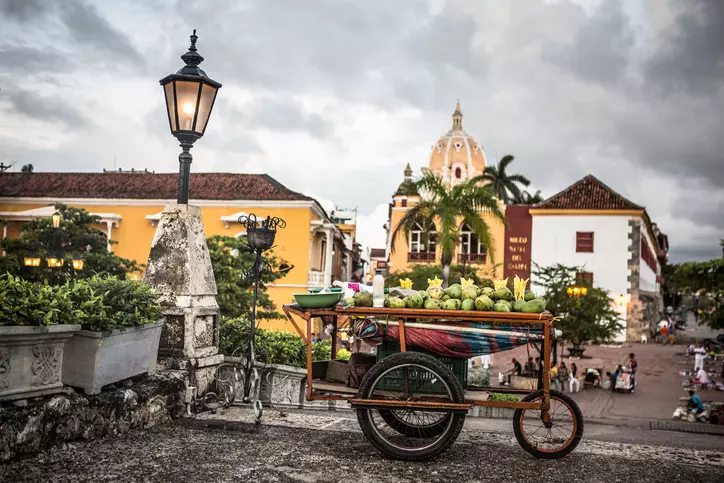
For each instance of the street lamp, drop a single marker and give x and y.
(190, 96)
(78, 263)
(32, 260)
(574, 291)
(55, 219)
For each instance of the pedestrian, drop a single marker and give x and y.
(701, 377)
(614, 376)
(517, 369)
(553, 375)
(695, 402)
(574, 381)
(633, 366)
(699, 356)
(529, 369)
(562, 376)
(538, 366)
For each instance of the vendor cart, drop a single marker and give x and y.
(411, 405)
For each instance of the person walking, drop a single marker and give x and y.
(633, 366)
(562, 376)
(574, 380)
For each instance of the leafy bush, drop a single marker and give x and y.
(343, 355)
(496, 396)
(107, 303)
(99, 303)
(479, 377)
(271, 347)
(32, 303)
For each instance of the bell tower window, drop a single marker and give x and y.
(458, 173)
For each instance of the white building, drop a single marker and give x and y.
(590, 225)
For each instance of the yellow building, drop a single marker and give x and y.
(455, 157)
(129, 205)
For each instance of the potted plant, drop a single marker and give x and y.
(120, 332)
(35, 323)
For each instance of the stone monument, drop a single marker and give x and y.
(179, 267)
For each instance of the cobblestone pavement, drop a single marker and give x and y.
(284, 449)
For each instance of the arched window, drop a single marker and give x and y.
(471, 248)
(419, 250)
(458, 173)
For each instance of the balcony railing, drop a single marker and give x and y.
(472, 257)
(420, 256)
(316, 279)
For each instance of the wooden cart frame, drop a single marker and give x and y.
(474, 396)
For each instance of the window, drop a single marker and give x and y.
(404, 203)
(458, 173)
(471, 248)
(417, 244)
(322, 255)
(584, 241)
(584, 279)
(647, 255)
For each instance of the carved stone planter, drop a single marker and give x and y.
(93, 360)
(31, 360)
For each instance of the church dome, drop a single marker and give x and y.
(407, 187)
(457, 156)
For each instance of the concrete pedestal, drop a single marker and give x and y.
(179, 267)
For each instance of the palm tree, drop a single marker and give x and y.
(504, 185)
(529, 199)
(442, 207)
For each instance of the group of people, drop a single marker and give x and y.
(561, 375)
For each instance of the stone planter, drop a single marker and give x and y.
(93, 360)
(31, 360)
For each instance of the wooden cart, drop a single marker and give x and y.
(411, 406)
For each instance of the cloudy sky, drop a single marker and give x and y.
(333, 97)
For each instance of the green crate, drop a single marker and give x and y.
(417, 382)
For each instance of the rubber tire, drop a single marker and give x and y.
(447, 437)
(405, 429)
(542, 454)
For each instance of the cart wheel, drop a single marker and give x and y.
(559, 436)
(411, 434)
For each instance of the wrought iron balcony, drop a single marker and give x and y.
(420, 256)
(472, 257)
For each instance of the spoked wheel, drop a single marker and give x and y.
(411, 434)
(552, 438)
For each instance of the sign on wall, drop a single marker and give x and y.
(518, 234)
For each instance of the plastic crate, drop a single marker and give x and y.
(418, 381)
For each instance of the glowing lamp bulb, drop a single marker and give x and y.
(188, 108)
(576, 290)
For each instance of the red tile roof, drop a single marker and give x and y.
(141, 185)
(588, 193)
(378, 253)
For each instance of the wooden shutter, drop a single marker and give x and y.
(584, 241)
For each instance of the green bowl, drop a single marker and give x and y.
(317, 300)
(332, 289)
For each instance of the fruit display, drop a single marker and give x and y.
(460, 296)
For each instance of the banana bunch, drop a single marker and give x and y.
(436, 282)
(519, 288)
(500, 283)
(465, 283)
(406, 283)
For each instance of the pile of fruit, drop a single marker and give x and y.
(462, 296)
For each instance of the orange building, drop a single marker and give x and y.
(129, 205)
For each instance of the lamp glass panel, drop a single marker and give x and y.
(208, 94)
(170, 105)
(187, 94)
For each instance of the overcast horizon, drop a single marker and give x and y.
(333, 98)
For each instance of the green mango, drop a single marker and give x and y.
(432, 304)
(471, 292)
(501, 307)
(488, 291)
(467, 304)
(349, 301)
(534, 306)
(529, 295)
(454, 291)
(503, 293)
(451, 304)
(397, 303)
(484, 303)
(518, 305)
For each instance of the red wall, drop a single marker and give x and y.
(518, 234)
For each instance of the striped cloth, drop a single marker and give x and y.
(445, 342)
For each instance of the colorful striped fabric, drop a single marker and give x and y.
(446, 342)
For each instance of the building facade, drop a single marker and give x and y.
(130, 205)
(455, 157)
(590, 225)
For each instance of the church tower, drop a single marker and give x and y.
(456, 156)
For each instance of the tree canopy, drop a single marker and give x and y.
(230, 258)
(705, 279)
(75, 237)
(589, 317)
(504, 185)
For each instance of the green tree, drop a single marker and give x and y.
(529, 199)
(705, 279)
(27, 168)
(420, 273)
(443, 207)
(504, 185)
(589, 317)
(75, 237)
(230, 258)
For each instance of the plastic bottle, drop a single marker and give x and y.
(378, 291)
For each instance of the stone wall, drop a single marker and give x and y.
(644, 308)
(50, 421)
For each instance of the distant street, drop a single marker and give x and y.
(328, 447)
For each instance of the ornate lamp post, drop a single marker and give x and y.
(190, 96)
(260, 238)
